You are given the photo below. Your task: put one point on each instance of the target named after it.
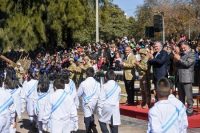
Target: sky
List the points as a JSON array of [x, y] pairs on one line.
[[128, 6]]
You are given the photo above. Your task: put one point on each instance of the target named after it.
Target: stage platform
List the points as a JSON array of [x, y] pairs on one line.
[[137, 112]]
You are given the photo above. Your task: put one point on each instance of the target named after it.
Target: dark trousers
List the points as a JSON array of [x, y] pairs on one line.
[[113, 128], [185, 89], [90, 125], [129, 85], [145, 91]]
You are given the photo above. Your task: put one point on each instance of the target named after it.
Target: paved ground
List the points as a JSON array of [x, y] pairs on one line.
[[129, 125]]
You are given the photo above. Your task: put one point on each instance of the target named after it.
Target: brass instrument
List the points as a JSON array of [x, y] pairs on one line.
[[21, 66], [24, 62], [13, 64]]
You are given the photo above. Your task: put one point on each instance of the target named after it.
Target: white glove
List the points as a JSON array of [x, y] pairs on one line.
[[12, 129], [76, 127], [19, 117], [45, 127], [99, 112]]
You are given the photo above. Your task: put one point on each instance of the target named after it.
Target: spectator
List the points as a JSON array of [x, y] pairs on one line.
[[159, 60], [185, 74], [197, 65], [129, 73], [117, 62]]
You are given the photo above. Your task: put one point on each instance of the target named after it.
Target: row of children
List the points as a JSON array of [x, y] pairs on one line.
[[52, 102]]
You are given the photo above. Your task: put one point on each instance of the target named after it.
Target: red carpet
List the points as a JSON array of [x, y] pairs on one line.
[[137, 112]]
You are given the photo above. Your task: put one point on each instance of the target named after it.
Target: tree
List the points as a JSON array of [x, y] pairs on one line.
[[23, 26], [179, 15], [113, 22], [29, 24]]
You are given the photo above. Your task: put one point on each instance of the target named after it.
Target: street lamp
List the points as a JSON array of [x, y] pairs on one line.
[[161, 20], [97, 20], [163, 24]]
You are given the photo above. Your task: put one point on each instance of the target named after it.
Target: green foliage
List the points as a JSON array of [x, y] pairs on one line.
[[29, 24], [113, 23], [179, 15]]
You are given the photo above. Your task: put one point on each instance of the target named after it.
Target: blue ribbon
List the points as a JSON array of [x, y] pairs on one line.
[[86, 99], [172, 119], [112, 91], [42, 95], [31, 90], [59, 101], [6, 104], [71, 85], [13, 91]]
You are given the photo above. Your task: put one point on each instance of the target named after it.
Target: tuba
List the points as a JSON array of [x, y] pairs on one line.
[[22, 69]]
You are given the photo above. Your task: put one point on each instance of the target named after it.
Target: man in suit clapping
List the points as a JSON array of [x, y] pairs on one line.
[[185, 62], [159, 60]]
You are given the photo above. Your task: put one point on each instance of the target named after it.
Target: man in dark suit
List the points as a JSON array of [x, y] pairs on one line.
[[185, 62], [159, 60]]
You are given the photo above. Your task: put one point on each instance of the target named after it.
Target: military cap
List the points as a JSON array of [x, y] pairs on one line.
[[86, 58], [71, 59], [143, 51]]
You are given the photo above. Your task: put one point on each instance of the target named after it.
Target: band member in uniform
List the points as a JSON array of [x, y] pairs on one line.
[[29, 95], [60, 110], [43, 97], [166, 116], [108, 105], [89, 91], [7, 111], [14, 88]]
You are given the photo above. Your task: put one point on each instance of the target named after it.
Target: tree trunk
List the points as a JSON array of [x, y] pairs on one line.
[[69, 40]]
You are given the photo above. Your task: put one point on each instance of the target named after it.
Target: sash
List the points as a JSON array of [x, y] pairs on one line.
[[109, 94], [42, 96], [6, 104], [71, 87], [13, 91], [86, 99], [31, 90], [59, 101], [174, 117]]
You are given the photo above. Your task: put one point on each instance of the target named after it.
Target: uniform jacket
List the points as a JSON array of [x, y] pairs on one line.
[[108, 105], [65, 113], [89, 91], [164, 117]]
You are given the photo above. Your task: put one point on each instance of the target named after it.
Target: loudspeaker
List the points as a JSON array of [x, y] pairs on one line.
[[149, 31], [158, 25]]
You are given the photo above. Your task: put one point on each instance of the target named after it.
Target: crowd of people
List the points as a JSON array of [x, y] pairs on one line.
[[50, 84]]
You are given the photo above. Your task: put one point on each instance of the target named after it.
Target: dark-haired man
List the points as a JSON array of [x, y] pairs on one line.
[[70, 88], [89, 91], [7, 110], [56, 111], [165, 116], [108, 105], [185, 74]]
